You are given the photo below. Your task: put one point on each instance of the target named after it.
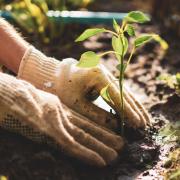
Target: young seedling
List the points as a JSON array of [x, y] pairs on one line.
[[173, 81], [120, 46]]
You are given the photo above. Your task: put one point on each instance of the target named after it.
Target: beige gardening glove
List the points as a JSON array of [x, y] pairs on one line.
[[41, 116], [73, 85]]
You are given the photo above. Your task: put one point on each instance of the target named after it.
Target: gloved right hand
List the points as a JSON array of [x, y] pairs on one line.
[[73, 85], [75, 134]]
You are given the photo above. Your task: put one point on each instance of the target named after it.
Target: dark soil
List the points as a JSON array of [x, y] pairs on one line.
[[143, 157]]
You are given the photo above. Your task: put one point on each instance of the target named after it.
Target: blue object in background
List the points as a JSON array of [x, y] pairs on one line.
[[80, 17], [6, 15], [85, 17]]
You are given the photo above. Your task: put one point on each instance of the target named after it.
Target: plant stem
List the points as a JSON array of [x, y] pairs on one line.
[[108, 52], [121, 77], [109, 31], [123, 25], [132, 52], [122, 102]]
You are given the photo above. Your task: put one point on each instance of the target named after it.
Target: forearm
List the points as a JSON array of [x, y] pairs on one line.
[[12, 46]]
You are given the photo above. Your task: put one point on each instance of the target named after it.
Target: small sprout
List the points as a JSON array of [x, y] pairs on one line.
[[120, 46], [173, 81], [170, 132]]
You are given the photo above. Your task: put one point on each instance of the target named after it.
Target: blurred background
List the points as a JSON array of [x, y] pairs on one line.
[[58, 31]]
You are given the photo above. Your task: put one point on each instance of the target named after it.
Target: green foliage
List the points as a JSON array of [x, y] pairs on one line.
[[27, 14], [88, 59], [125, 45], [105, 94], [143, 39], [30, 16], [117, 46], [173, 81], [89, 33], [170, 133], [118, 67], [130, 30], [136, 17], [120, 46]]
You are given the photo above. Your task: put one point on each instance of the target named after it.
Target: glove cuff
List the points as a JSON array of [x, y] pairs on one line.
[[39, 70]]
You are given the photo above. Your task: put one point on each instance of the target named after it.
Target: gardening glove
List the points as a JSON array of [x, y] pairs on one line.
[[43, 114], [73, 85]]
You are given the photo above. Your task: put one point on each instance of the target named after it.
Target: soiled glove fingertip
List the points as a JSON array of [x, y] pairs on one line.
[[98, 162], [120, 143]]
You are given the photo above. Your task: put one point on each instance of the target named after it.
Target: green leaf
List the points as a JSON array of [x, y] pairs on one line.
[[116, 26], [117, 46], [136, 17], [170, 132], [88, 59], [119, 67], [130, 30], [89, 33], [169, 79], [105, 94], [142, 40], [125, 44]]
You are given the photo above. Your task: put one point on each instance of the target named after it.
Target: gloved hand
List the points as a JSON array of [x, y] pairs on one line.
[[46, 115], [73, 84]]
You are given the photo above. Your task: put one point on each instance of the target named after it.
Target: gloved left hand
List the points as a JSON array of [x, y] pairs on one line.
[[35, 114]]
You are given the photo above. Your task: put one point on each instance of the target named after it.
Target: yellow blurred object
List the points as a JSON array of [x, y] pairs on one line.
[[30, 16], [3, 178], [86, 2], [36, 13], [161, 41]]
